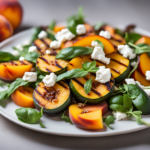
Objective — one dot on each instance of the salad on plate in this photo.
(91, 75)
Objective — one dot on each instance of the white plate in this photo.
(54, 125)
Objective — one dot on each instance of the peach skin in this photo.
(6, 29)
(12, 10)
(23, 97)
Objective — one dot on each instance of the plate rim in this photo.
(29, 126)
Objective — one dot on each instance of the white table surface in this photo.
(41, 12)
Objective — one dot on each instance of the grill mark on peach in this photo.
(38, 48)
(97, 61)
(48, 70)
(113, 38)
(13, 63)
(119, 62)
(115, 70)
(108, 85)
(45, 43)
(23, 63)
(56, 63)
(96, 92)
(62, 85)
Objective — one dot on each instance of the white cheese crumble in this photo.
(105, 34)
(80, 29)
(133, 63)
(64, 35)
(15, 53)
(19, 47)
(21, 58)
(55, 44)
(126, 51)
(130, 81)
(30, 76)
(26, 42)
(95, 44)
(103, 75)
(42, 34)
(119, 115)
(98, 54)
(50, 80)
(32, 49)
(147, 74)
(47, 52)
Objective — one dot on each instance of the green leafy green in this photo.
(65, 118)
(3, 84)
(134, 68)
(6, 56)
(87, 86)
(132, 37)
(100, 43)
(118, 31)
(74, 20)
(78, 73)
(29, 115)
(127, 102)
(32, 56)
(140, 48)
(118, 107)
(12, 87)
(98, 26)
(72, 52)
(52, 25)
(109, 120)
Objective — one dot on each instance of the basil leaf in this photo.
(86, 66)
(52, 25)
(132, 37)
(137, 112)
(80, 74)
(65, 118)
(3, 84)
(100, 43)
(29, 115)
(109, 120)
(98, 26)
(69, 74)
(6, 56)
(32, 56)
(72, 26)
(51, 36)
(87, 86)
(12, 87)
(94, 70)
(117, 107)
(127, 102)
(72, 52)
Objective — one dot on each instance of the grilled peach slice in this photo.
(89, 116)
(14, 69)
(144, 63)
(58, 28)
(23, 97)
(6, 29)
(139, 77)
(143, 39)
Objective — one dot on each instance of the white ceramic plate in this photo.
(54, 125)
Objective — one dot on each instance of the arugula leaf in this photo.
(100, 43)
(140, 48)
(12, 87)
(65, 118)
(109, 120)
(127, 102)
(52, 25)
(87, 86)
(6, 56)
(32, 56)
(118, 107)
(72, 52)
(29, 115)
(74, 20)
(98, 26)
(132, 37)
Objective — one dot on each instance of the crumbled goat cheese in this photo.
(147, 91)
(15, 53)
(98, 54)
(42, 34)
(126, 51)
(30, 76)
(95, 44)
(119, 115)
(48, 52)
(105, 34)
(130, 81)
(50, 80)
(32, 49)
(26, 42)
(80, 29)
(64, 35)
(147, 74)
(19, 47)
(55, 44)
(133, 63)
(21, 58)
(103, 75)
